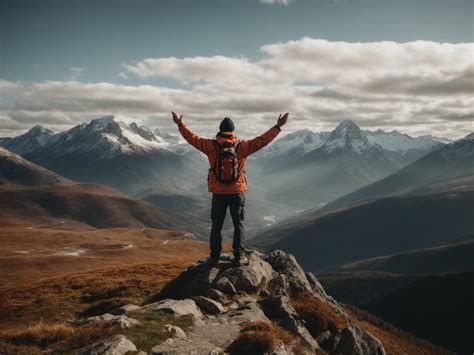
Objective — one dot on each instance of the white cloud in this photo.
(417, 87)
(276, 2)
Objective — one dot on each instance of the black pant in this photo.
(236, 204)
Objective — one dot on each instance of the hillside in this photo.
(32, 195)
(203, 322)
(445, 258)
(439, 308)
(359, 288)
(420, 219)
(448, 162)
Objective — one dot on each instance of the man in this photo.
(226, 177)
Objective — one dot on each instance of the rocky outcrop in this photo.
(115, 345)
(122, 321)
(223, 298)
(176, 307)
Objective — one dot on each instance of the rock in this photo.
(286, 264)
(115, 345)
(358, 342)
(216, 295)
(295, 327)
(278, 307)
(208, 305)
(248, 312)
(176, 307)
(252, 277)
(273, 277)
(224, 285)
(278, 285)
(123, 321)
(125, 309)
(175, 331)
(168, 347)
(324, 338)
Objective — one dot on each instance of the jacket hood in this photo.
(226, 138)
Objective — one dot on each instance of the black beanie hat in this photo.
(226, 125)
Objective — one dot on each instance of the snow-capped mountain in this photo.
(107, 135)
(395, 141)
(108, 151)
(450, 161)
(35, 138)
(295, 143)
(346, 161)
(348, 136)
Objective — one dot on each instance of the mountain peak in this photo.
(35, 130)
(102, 122)
(205, 292)
(347, 135)
(347, 124)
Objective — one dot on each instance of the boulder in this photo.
(175, 331)
(278, 306)
(250, 278)
(224, 285)
(123, 321)
(168, 347)
(287, 265)
(115, 345)
(176, 307)
(296, 328)
(208, 305)
(355, 341)
(217, 295)
(125, 309)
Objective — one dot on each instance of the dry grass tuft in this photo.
(318, 315)
(40, 334)
(262, 337)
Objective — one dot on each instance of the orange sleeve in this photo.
(254, 145)
(202, 144)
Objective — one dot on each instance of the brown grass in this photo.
(318, 315)
(394, 340)
(262, 337)
(55, 337)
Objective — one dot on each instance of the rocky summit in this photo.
(268, 306)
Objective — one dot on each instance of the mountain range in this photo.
(32, 195)
(299, 171)
(423, 205)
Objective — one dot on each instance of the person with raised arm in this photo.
(226, 178)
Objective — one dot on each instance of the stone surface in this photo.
(175, 331)
(296, 328)
(125, 309)
(115, 345)
(274, 277)
(252, 277)
(208, 305)
(278, 306)
(287, 265)
(176, 307)
(217, 295)
(123, 321)
(355, 341)
(226, 286)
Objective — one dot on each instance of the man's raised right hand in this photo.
(282, 119)
(177, 119)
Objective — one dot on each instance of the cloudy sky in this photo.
(390, 64)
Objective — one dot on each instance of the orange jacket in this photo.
(244, 149)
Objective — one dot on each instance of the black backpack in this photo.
(226, 167)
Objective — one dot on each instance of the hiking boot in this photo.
(241, 260)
